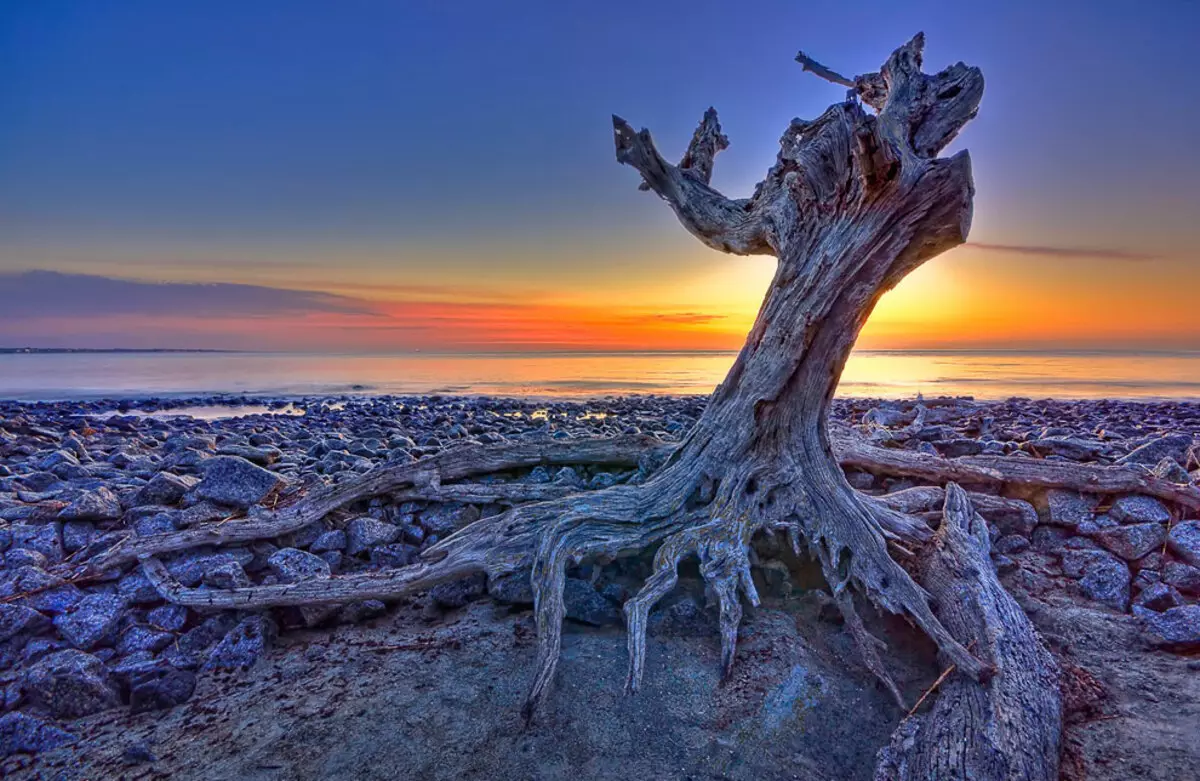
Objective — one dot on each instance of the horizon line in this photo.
(26, 350)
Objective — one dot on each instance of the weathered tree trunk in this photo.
(1007, 729)
(854, 202)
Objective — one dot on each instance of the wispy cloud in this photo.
(53, 309)
(1063, 252)
(42, 293)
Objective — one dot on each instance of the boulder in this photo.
(364, 533)
(92, 622)
(160, 689)
(330, 540)
(1102, 576)
(70, 684)
(164, 488)
(1177, 629)
(586, 605)
(1182, 576)
(457, 593)
(1134, 541)
(234, 481)
(98, 505)
(292, 565)
(1184, 541)
(243, 646)
(20, 620)
(1139, 509)
(1069, 508)
(1149, 454)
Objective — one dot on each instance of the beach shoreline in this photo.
(101, 672)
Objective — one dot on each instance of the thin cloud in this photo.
(687, 317)
(1063, 252)
(40, 293)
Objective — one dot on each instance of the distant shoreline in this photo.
(898, 351)
(101, 350)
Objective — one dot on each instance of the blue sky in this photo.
(451, 146)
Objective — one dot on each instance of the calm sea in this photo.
(983, 374)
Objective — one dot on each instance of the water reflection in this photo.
(890, 374)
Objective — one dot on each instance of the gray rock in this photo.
(588, 606)
(1177, 629)
(960, 446)
(602, 480)
(397, 554)
(1182, 576)
(190, 569)
(226, 574)
(1071, 448)
(45, 538)
(47, 593)
(1139, 509)
(70, 684)
(1011, 543)
(1102, 576)
(448, 518)
(22, 557)
(513, 588)
(683, 618)
(76, 535)
(1069, 508)
(92, 622)
(236, 482)
(98, 505)
(1172, 470)
(457, 593)
(160, 689)
(169, 618)
(1173, 445)
(163, 489)
(140, 638)
(243, 646)
(192, 647)
(568, 476)
(264, 456)
(1132, 542)
(19, 620)
(330, 540)
(1184, 541)
(24, 734)
(1158, 597)
(365, 533)
(160, 523)
(1049, 539)
(292, 565)
(136, 589)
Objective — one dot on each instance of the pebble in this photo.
(63, 494)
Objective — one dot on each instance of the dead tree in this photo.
(856, 200)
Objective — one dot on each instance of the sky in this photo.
(370, 176)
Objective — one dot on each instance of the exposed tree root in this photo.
(853, 451)
(423, 479)
(1004, 730)
(429, 480)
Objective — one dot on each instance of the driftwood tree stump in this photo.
(856, 200)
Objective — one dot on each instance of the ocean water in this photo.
(982, 374)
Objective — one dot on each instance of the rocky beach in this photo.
(102, 677)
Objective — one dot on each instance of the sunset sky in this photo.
(367, 176)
